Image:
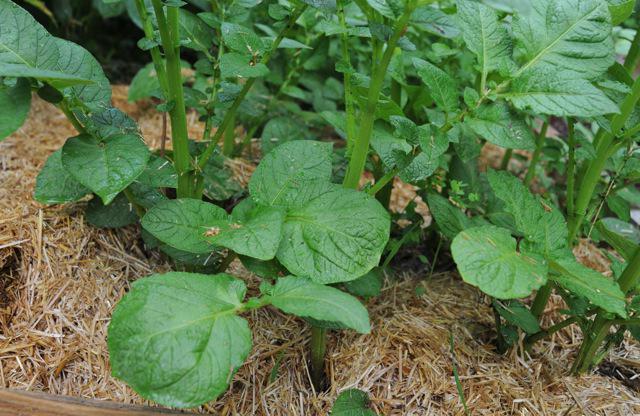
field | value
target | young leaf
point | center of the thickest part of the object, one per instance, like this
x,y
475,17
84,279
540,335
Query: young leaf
x,y
572,37
495,124
105,167
555,94
194,32
622,236
55,185
302,297
339,235
517,314
287,170
175,337
119,213
450,219
236,65
352,402
487,258
620,10
541,224
442,87
241,39
588,283
15,102
484,35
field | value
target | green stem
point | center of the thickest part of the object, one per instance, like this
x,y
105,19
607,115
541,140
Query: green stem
x,y
382,182
531,172
532,339
229,115
631,61
571,169
140,211
504,165
541,299
229,138
318,352
502,343
604,150
168,28
361,145
156,57
346,59
64,107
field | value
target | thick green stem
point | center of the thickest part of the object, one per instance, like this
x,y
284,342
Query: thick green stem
x,y
631,61
361,145
604,150
156,56
571,169
318,352
168,28
531,173
229,138
230,114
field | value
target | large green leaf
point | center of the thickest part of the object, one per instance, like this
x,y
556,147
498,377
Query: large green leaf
x,y
588,283
110,122
442,87
552,93
484,35
77,61
160,173
119,213
106,167
55,185
568,36
302,297
61,79
287,170
497,125
198,227
23,41
185,223
175,337
339,235
620,10
15,102
487,258
541,224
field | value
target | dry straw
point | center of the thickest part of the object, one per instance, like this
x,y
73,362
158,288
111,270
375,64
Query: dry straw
x,y
60,279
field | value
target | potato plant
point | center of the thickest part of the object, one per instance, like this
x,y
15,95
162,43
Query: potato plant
x,y
412,89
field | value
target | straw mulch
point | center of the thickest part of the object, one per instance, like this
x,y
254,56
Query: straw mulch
x,y
60,279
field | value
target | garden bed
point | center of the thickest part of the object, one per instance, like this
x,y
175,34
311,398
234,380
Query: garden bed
x,y
61,278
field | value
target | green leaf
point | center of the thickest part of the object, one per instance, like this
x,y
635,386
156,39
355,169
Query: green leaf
x,y
433,20
339,235
23,41
241,39
541,224
77,61
450,219
622,236
55,185
236,65
194,32
15,102
184,223
175,337
352,402
588,283
61,79
288,170
144,84
497,125
302,297
554,94
280,130
106,167
119,213
367,286
487,258
218,180
517,314
572,37
146,196
159,173
110,122
442,87
255,233
620,10
484,35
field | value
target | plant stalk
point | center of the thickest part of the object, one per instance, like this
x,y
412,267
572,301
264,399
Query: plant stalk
x,y
531,172
361,145
168,28
631,61
318,352
571,169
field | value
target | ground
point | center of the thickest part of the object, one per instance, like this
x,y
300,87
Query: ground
x,y
61,278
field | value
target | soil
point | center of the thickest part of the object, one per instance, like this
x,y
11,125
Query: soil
x,y
61,278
